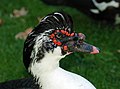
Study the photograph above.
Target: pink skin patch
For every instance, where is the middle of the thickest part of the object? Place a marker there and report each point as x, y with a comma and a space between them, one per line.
95, 50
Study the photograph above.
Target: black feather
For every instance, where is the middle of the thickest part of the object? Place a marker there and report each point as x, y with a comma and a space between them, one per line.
25, 83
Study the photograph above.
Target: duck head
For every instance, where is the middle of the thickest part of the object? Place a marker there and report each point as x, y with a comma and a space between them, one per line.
54, 38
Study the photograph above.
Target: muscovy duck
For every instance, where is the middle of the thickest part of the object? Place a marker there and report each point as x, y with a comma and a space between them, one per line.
45, 46
102, 10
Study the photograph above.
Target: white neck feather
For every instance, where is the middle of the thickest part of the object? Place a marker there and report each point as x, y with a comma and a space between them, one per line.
47, 65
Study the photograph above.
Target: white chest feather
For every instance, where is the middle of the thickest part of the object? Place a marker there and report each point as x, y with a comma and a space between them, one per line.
61, 79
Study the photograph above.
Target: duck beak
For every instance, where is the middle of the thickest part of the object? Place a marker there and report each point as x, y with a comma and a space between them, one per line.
81, 47
76, 44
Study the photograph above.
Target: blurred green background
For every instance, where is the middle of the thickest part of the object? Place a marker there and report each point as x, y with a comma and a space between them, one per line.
103, 69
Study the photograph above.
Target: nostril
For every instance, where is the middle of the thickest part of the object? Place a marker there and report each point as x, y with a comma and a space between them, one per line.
81, 41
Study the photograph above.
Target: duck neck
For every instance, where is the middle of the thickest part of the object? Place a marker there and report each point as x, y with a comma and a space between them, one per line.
46, 66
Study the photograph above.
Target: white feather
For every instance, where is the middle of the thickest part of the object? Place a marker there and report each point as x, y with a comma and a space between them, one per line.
103, 5
51, 76
95, 11
117, 19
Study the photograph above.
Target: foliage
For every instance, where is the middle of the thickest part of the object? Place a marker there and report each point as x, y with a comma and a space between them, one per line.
103, 69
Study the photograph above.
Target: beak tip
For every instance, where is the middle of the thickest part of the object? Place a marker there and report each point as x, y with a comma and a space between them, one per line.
95, 50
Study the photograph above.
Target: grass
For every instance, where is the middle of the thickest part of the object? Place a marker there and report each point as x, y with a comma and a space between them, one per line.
103, 69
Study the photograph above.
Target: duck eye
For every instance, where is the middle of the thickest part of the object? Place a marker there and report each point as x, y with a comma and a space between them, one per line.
75, 38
